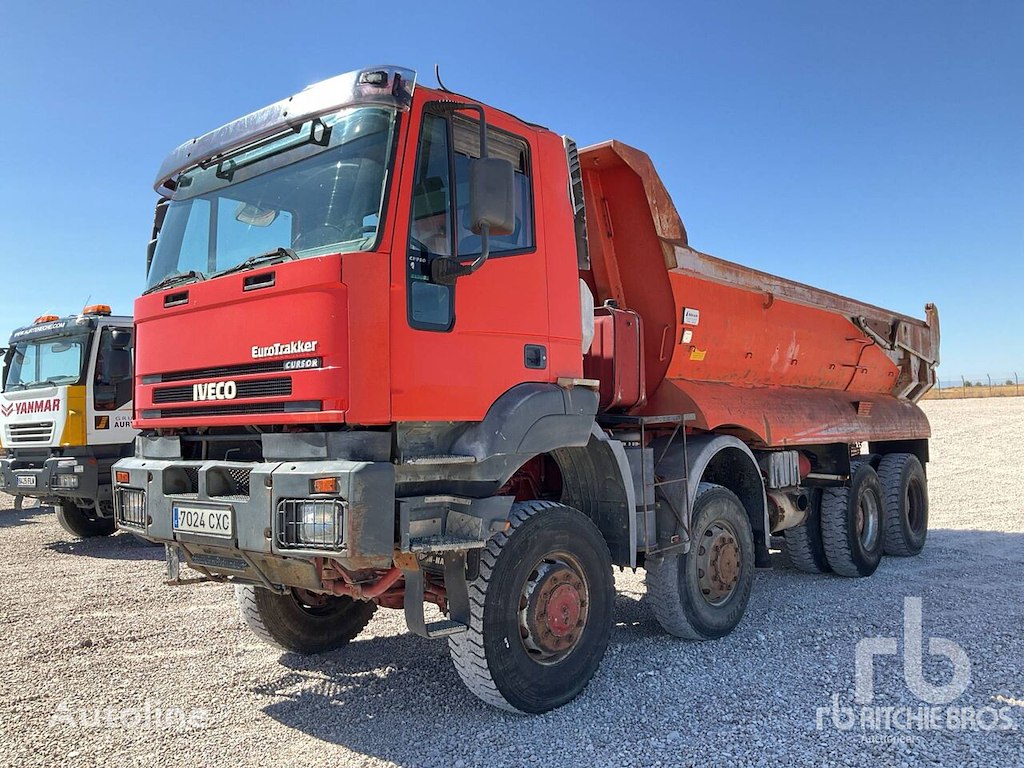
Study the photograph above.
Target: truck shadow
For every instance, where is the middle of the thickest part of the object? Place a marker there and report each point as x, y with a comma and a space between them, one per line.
380, 695
355, 697
11, 517
120, 546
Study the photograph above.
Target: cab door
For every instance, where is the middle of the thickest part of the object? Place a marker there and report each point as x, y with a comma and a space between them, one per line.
109, 388
457, 348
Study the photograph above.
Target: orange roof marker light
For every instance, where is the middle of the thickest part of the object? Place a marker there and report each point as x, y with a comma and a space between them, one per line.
97, 309
46, 319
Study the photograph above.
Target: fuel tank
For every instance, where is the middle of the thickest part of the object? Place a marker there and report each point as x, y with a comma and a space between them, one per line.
774, 360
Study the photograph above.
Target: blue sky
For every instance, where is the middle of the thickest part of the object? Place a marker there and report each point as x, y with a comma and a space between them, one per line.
873, 148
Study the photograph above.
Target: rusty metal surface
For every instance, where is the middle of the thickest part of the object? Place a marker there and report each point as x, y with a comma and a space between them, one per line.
631, 212
792, 416
786, 333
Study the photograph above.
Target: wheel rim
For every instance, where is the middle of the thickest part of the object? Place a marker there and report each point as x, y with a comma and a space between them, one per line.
719, 563
915, 506
313, 603
553, 608
868, 520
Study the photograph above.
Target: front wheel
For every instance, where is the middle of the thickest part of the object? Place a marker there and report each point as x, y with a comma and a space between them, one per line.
302, 621
540, 611
83, 523
703, 593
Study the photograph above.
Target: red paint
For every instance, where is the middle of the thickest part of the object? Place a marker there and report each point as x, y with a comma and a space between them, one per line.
376, 369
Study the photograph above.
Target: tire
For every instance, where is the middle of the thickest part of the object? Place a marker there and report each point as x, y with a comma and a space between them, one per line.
851, 524
905, 498
804, 547
302, 622
686, 598
520, 653
79, 522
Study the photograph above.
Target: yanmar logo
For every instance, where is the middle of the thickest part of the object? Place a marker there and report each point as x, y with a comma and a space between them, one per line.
25, 407
215, 390
285, 348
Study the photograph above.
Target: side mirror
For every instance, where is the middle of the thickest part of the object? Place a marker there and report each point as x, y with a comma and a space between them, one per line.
492, 211
119, 365
158, 221
492, 207
120, 339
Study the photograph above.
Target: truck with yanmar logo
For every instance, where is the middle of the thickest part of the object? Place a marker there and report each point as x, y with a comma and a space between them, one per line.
66, 414
402, 349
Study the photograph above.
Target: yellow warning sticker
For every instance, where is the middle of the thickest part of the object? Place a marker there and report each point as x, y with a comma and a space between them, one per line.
697, 354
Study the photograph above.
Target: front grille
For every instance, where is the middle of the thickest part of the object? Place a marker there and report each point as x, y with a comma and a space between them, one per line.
310, 523
229, 482
130, 507
281, 387
302, 406
24, 434
224, 371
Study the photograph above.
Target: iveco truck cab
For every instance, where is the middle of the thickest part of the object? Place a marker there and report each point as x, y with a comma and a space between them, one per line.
66, 414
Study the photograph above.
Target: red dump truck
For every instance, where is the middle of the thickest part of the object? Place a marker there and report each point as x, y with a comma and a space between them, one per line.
402, 349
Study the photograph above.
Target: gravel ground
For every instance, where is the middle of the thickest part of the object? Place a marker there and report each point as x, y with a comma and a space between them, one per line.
89, 626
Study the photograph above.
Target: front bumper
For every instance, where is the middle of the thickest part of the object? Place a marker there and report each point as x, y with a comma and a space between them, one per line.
266, 545
58, 477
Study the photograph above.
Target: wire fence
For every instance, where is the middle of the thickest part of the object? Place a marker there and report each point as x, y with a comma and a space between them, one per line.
983, 385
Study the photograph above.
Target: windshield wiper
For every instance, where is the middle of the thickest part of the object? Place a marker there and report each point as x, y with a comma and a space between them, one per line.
175, 278
52, 381
270, 257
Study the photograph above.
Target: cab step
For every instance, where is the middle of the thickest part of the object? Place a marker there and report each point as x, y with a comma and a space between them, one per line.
457, 591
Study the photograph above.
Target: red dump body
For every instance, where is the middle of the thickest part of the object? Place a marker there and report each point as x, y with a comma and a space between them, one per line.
774, 361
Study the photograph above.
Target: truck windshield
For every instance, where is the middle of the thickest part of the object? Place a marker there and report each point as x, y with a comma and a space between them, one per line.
316, 190
45, 362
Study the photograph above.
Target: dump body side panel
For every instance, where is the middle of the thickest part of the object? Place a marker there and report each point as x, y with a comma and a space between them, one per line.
777, 361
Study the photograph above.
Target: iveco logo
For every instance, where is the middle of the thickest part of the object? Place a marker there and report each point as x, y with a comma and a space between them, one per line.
215, 390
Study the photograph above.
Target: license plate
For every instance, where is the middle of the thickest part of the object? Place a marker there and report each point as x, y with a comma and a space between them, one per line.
26, 481
209, 521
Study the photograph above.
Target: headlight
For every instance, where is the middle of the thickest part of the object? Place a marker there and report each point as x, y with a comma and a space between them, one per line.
65, 481
319, 523
310, 523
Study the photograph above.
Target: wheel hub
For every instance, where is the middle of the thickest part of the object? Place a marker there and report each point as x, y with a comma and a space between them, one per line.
553, 611
312, 603
719, 564
868, 520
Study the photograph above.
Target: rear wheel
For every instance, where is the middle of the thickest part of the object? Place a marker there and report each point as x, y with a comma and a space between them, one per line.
83, 523
302, 621
703, 594
540, 611
851, 524
905, 495
803, 542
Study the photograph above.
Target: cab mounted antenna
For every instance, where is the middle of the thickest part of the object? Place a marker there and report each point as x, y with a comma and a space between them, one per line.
437, 75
